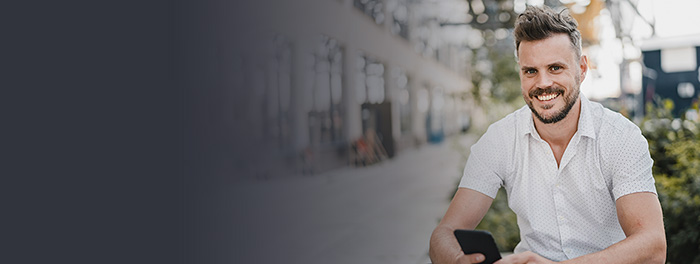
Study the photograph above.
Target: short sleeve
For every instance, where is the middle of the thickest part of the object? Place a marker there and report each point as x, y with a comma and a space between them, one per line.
479, 177
630, 164
487, 160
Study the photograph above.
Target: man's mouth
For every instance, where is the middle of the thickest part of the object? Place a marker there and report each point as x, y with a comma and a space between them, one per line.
547, 97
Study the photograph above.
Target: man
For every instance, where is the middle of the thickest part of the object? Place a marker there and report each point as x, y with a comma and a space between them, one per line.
577, 175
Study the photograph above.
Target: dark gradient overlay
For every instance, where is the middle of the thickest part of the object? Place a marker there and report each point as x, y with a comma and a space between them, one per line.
127, 131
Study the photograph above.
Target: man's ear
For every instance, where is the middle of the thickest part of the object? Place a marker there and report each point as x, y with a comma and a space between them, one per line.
583, 66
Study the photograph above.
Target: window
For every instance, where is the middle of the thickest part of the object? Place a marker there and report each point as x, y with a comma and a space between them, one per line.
404, 100
279, 92
423, 99
369, 80
400, 14
325, 119
678, 59
437, 106
371, 8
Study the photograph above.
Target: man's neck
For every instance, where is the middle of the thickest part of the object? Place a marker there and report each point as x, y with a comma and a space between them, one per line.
560, 133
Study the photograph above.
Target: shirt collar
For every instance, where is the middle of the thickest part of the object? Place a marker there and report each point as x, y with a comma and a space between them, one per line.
585, 121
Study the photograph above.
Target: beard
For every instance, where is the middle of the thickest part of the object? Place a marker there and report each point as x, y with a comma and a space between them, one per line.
569, 102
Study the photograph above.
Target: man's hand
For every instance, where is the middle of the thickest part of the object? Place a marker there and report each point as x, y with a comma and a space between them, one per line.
525, 257
471, 258
465, 212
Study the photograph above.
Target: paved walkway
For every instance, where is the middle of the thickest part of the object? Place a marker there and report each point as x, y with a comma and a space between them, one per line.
382, 213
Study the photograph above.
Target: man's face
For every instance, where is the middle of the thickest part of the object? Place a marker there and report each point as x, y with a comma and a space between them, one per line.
550, 76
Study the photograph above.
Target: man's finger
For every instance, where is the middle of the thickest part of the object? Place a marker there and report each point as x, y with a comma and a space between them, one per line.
477, 257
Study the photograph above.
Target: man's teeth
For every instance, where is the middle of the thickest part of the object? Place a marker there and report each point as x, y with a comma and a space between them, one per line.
546, 97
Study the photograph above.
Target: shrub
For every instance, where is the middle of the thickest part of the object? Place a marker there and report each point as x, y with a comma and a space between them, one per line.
502, 223
674, 144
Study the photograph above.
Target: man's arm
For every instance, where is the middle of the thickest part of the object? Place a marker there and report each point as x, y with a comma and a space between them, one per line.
466, 210
641, 219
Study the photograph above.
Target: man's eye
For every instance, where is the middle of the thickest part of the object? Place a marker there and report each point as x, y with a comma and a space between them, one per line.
530, 71
556, 68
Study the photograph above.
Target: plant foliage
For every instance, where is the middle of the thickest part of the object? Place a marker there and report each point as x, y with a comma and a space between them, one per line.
674, 144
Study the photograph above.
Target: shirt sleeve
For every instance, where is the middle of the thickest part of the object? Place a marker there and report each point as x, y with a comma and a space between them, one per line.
479, 177
485, 161
630, 164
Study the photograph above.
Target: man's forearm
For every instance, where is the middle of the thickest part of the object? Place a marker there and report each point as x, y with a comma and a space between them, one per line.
642, 221
638, 248
443, 246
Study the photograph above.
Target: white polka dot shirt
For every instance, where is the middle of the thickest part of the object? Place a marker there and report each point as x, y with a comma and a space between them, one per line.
565, 211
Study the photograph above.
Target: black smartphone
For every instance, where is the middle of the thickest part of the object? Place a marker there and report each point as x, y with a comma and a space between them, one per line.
478, 241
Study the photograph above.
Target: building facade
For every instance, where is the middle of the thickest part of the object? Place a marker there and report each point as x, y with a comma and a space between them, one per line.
671, 71
316, 76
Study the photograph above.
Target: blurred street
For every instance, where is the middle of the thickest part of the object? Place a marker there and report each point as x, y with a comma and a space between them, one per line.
382, 213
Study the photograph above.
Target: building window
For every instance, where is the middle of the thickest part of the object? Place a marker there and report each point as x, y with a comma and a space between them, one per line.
404, 100
325, 119
399, 14
277, 92
437, 106
371, 8
369, 80
423, 99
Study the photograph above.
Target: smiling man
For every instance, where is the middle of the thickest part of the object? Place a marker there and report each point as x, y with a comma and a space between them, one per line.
578, 175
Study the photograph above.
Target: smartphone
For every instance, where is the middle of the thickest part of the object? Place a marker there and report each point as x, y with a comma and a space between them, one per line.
478, 241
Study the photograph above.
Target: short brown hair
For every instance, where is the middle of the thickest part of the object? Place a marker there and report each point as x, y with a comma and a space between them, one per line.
538, 23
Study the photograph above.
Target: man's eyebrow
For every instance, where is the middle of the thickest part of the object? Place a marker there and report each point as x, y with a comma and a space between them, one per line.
525, 68
557, 63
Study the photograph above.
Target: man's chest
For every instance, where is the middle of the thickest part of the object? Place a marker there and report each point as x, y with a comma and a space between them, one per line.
538, 182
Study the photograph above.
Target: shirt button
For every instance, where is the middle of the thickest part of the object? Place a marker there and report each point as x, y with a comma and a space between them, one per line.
561, 217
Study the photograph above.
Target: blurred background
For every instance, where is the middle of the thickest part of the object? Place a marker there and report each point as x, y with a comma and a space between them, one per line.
335, 131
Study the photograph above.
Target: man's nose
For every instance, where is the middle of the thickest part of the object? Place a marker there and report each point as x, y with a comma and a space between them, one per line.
544, 81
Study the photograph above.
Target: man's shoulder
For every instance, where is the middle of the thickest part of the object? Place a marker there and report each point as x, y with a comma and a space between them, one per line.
505, 130
495, 148
511, 122
607, 120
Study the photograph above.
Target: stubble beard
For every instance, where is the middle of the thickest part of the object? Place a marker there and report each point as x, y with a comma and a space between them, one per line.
569, 102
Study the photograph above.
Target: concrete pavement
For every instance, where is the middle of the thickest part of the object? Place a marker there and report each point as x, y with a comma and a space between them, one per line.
383, 213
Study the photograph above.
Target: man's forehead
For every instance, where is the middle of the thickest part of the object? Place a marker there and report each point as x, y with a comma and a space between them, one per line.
555, 38
554, 49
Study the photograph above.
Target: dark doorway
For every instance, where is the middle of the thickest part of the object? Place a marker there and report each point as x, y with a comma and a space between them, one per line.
378, 118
